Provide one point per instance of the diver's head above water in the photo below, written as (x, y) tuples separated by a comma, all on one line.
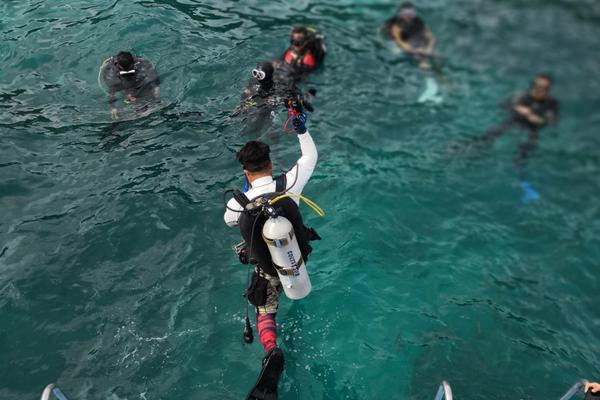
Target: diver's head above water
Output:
[(541, 86), (407, 11), (299, 38), (263, 72), (125, 63), (255, 160)]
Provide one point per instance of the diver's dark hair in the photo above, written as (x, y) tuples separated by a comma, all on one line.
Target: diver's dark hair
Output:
[(546, 76), (125, 60), (300, 29), (254, 156), (406, 4)]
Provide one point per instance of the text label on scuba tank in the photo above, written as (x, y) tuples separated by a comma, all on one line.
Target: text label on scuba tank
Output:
[(293, 263)]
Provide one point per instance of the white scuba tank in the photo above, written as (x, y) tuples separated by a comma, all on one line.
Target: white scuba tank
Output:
[(278, 233)]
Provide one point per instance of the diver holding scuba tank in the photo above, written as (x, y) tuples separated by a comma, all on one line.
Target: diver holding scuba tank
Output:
[(276, 240)]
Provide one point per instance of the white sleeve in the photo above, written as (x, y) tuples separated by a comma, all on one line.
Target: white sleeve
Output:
[(298, 176), (231, 215)]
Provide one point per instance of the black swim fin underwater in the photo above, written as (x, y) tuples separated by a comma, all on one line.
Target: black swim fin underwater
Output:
[(268, 379)]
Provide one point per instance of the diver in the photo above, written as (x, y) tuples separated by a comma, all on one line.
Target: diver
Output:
[(262, 84), (134, 76), (411, 34), (530, 112), (264, 97), (305, 54), (265, 285)]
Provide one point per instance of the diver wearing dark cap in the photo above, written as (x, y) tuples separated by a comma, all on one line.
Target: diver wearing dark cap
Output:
[(530, 111), (262, 84), (411, 34), (134, 76)]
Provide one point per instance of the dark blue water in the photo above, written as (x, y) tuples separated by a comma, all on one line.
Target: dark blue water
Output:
[(116, 276)]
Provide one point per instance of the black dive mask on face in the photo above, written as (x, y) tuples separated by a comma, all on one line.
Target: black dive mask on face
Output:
[(407, 12)]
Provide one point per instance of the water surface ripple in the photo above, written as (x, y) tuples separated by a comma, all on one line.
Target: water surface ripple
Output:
[(116, 275)]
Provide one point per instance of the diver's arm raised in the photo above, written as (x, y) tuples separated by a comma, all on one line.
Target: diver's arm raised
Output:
[(298, 176)]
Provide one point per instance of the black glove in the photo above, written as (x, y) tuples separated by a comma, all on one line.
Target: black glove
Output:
[(299, 122)]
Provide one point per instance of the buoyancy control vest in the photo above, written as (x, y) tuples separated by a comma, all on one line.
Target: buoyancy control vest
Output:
[(312, 55), (251, 226)]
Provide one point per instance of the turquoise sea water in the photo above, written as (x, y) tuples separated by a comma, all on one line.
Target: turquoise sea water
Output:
[(116, 276)]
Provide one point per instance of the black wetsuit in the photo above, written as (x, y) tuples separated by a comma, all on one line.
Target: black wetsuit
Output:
[(259, 94), (140, 84), (548, 109), (262, 99)]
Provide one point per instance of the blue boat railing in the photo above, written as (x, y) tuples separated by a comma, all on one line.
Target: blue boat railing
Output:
[(53, 392), (444, 392)]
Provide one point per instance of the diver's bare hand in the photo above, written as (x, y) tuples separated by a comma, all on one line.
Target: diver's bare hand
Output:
[(593, 386), (534, 119), (114, 114), (523, 110)]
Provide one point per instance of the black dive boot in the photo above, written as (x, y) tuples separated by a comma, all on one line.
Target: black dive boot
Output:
[(268, 379)]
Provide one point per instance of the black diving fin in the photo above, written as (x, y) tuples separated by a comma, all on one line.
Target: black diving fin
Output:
[(268, 379)]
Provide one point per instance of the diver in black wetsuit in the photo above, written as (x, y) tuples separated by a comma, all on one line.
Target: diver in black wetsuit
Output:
[(411, 34), (531, 112), (265, 96), (262, 85), (305, 53), (134, 76)]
